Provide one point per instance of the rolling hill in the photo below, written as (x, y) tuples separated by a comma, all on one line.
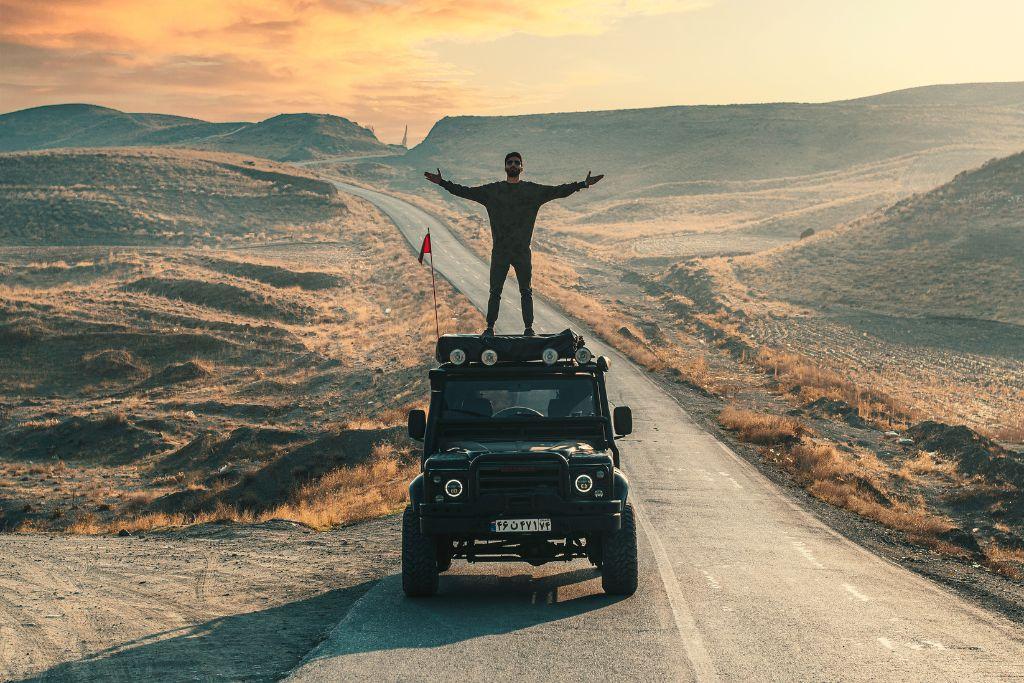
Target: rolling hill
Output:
[(185, 330), (956, 251), (159, 196), (287, 137), (975, 94)]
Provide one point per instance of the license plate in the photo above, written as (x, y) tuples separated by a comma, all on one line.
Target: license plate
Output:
[(520, 526)]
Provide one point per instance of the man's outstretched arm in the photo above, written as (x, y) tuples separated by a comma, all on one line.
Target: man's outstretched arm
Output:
[(559, 191), (477, 194)]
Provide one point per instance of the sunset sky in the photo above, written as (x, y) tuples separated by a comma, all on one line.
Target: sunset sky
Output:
[(391, 62)]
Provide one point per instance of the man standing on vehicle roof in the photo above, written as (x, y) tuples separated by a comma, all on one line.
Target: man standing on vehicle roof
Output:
[(512, 206)]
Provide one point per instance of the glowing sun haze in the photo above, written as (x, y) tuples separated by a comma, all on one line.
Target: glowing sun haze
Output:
[(388, 63)]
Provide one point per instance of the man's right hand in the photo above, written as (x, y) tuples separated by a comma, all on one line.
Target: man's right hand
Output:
[(433, 177)]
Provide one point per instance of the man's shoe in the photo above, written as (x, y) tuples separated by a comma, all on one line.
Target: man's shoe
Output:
[(489, 332), (528, 332)]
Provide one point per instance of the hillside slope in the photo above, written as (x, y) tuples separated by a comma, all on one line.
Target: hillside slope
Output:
[(193, 333), (955, 251), (159, 196), (977, 94), (287, 137)]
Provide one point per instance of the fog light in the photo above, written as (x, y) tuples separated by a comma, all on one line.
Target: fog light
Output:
[(599, 474), (599, 494), (583, 355), (453, 488), (550, 356), (439, 498), (457, 356), (489, 357), (584, 483)]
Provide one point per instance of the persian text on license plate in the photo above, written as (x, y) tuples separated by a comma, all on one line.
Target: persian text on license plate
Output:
[(520, 526)]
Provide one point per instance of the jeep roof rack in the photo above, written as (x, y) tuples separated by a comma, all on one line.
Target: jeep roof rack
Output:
[(466, 349)]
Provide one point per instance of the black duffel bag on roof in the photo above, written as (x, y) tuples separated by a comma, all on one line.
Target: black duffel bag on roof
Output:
[(509, 347)]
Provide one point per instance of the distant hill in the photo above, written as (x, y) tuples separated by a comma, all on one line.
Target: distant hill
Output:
[(976, 94), (159, 196), (687, 180), (287, 137), (956, 251), (297, 137), (654, 150)]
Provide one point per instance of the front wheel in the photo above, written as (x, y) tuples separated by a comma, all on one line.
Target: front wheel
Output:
[(419, 557), (618, 557)]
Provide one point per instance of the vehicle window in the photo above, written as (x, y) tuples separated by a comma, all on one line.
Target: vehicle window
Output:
[(519, 398)]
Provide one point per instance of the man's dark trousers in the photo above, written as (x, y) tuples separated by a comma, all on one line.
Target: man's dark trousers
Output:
[(521, 260)]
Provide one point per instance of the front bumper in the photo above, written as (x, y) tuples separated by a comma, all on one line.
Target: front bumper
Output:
[(473, 519)]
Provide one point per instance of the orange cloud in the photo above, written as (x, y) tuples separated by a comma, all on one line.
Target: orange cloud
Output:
[(369, 60)]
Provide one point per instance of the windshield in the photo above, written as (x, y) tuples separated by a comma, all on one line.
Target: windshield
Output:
[(558, 397)]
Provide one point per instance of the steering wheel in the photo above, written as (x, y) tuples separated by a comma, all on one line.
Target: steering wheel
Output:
[(518, 411)]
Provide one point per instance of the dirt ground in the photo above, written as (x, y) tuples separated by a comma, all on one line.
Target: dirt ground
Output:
[(212, 602)]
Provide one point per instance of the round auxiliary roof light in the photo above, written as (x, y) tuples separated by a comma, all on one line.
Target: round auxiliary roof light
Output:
[(584, 483), (550, 356), (457, 356), (489, 357), (453, 488), (583, 355)]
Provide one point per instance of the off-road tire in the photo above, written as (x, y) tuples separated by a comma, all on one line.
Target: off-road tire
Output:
[(419, 558), (619, 563)]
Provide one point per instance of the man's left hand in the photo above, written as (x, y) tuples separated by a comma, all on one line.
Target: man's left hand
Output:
[(593, 179)]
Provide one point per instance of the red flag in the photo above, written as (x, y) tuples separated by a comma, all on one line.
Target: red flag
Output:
[(425, 249)]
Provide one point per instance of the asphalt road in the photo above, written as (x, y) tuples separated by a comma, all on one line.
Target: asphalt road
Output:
[(738, 583)]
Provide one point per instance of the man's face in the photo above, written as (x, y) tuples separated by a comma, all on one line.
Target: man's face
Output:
[(513, 166)]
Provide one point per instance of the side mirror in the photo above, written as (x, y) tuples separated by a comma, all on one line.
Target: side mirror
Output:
[(622, 417), (418, 424)]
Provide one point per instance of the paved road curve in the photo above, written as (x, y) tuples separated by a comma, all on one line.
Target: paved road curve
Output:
[(738, 582)]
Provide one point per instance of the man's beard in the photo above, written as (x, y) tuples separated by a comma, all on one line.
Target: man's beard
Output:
[(514, 172)]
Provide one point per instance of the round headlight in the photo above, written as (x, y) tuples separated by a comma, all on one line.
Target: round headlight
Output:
[(453, 488), (550, 356), (457, 356), (489, 357), (583, 355), (584, 483)]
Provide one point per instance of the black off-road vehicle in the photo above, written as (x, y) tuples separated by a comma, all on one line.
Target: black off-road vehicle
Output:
[(519, 462)]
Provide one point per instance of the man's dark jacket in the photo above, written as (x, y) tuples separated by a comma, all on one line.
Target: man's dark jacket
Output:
[(512, 208)]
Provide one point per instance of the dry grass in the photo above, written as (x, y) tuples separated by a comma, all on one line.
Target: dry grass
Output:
[(1011, 433), (841, 480), (817, 382), (618, 329), (1007, 561), (926, 463), (376, 488), (761, 428), (349, 494)]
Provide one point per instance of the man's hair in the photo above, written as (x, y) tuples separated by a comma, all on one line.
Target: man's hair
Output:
[(513, 154)]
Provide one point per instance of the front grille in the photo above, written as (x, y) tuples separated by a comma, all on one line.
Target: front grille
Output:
[(519, 478)]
